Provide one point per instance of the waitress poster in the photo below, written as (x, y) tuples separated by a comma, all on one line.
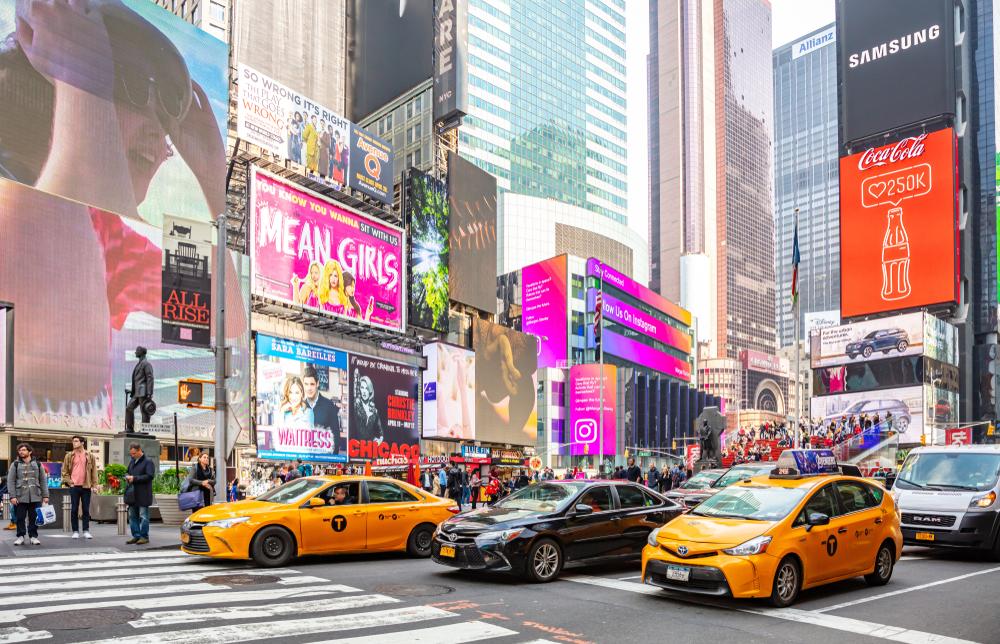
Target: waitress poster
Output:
[(310, 252)]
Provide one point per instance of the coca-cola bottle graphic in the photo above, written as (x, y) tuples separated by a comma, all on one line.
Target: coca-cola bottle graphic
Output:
[(895, 258)]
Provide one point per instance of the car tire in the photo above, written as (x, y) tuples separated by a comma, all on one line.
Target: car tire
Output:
[(993, 554), (884, 562), (420, 541), (902, 346), (900, 425), (272, 547), (787, 583), (544, 561), (867, 352)]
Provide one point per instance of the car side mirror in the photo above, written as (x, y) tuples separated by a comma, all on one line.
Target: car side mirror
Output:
[(582, 509), (316, 502), (816, 519)]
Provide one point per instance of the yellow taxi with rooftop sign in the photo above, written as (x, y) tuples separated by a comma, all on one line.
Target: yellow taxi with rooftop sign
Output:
[(804, 525)]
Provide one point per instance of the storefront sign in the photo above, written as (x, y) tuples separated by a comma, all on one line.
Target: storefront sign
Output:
[(958, 436), (508, 457), (469, 451)]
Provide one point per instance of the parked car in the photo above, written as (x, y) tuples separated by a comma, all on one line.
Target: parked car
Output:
[(734, 474), (884, 340)]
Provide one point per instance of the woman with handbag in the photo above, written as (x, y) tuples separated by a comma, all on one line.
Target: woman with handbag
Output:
[(201, 477)]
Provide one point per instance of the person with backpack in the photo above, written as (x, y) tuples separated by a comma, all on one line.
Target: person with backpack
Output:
[(29, 489)]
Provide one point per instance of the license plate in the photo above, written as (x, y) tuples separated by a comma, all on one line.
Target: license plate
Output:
[(447, 551), (925, 536), (185, 537), (678, 573)]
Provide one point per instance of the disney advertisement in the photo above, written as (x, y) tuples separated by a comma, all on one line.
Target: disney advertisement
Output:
[(311, 252), (383, 408)]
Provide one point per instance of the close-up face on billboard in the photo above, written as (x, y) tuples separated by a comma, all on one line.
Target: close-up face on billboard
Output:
[(506, 382), (117, 104), (906, 406), (588, 435), (898, 246), (545, 309), (311, 252)]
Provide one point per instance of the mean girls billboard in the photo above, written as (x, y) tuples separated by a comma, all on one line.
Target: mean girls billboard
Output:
[(311, 252)]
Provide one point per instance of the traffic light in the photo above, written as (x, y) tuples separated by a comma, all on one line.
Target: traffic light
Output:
[(991, 429), (190, 392), (923, 439), (673, 444)]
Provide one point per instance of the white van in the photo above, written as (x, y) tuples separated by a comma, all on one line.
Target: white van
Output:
[(948, 496)]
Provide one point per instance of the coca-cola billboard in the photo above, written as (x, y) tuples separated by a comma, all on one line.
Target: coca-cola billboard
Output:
[(898, 226), (897, 64)]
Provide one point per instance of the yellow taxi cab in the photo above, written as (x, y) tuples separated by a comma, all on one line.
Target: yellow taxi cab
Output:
[(319, 515), (804, 525)]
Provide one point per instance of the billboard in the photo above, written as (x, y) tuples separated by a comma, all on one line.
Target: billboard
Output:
[(290, 125), (427, 218), (763, 362), (472, 196), (898, 226), (311, 252), (93, 276), (896, 336), (545, 309), (642, 293), (302, 401), (619, 312), (883, 47), (6, 366), (449, 401), (186, 300), (451, 53), (506, 381), (383, 409), (121, 107), (390, 47), (587, 435), (645, 355), (820, 320), (940, 340), (906, 405)]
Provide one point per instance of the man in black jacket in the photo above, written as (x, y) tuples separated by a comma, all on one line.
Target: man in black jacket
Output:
[(140, 480), (142, 390), (326, 414), (653, 478), (634, 472)]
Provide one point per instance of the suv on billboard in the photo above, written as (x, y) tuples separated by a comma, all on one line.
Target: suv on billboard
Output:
[(884, 340), (901, 416)]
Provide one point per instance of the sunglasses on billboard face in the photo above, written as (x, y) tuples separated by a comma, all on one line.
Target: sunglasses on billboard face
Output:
[(170, 96)]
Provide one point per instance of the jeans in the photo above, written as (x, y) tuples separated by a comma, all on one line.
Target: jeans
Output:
[(26, 510), (78, 494), (465, 495), (138, 521)]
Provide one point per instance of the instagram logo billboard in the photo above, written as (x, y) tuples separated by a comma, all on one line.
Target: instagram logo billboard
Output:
[(586, 436)]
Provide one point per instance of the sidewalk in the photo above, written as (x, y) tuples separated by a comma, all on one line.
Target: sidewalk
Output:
[(106, 539)]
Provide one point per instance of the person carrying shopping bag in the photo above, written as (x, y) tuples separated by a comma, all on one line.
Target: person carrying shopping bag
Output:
[(29, 490), (201, 477)]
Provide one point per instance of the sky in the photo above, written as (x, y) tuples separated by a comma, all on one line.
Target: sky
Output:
[(790, 19)]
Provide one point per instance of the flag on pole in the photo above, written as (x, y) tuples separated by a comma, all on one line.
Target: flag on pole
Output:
[(795, 265)]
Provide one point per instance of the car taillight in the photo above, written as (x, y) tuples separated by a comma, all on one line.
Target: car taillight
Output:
[(454, 509)]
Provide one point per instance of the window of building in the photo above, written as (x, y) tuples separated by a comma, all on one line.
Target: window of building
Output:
[(217, 12)]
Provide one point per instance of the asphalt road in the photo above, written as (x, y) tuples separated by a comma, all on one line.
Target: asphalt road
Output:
[(163, 596)]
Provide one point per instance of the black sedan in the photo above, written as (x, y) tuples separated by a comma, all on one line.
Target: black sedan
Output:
[(539, 528)]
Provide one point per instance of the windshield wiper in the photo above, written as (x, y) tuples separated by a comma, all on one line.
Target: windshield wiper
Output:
[(909, 482), (956, 487), (723, 515)]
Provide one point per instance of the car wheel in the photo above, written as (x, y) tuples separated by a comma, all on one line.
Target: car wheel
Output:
[(545, 560), (787, 583), (884, 561), (867, 352), (419, 543), (902, 346), (993, 554), (272, 547), (900, 425)]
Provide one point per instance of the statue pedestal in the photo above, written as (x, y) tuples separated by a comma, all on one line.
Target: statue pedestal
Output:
[(706, 464), (118, 448)]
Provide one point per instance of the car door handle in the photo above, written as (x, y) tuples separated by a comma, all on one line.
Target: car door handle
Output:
[(842, 531), (878, 521)]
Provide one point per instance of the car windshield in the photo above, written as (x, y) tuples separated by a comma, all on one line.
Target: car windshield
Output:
[(700, 481), (949, 471), (754, 502), (293, 491), (738, 474), (543, 497)]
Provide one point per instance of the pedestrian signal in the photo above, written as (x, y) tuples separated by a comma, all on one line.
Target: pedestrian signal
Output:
[(673, 444), (190, 392), (991, 429)]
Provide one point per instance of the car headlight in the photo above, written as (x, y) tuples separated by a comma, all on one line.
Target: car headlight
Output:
[(186, 525), (651, 539), (226, 523), (983, 501), (500, 535), (755, 546)]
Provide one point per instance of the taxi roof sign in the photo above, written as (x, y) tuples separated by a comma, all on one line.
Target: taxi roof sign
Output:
[(805, 462)]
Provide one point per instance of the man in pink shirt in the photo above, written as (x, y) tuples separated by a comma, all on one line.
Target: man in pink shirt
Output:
[(79, 473)]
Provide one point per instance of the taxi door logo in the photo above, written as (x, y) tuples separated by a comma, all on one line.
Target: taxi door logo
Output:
[(898, 226)]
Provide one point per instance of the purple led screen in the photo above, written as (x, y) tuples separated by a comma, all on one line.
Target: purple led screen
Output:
[(635, 289), (627, 315), (544, 309), (586, 436), (645, 355)]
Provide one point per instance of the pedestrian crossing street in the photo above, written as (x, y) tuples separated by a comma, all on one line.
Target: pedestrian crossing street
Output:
[(175, 600)]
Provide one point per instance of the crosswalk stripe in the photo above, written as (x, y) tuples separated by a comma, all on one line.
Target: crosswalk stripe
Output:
[(25, 560), (21, 634), (130, 572), (85, 567), (284, 628), (145, 580), (154, 619), (204, 599), (452, 633)]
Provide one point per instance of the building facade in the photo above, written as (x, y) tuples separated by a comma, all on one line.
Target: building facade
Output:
[(806, 177), (710, 115)]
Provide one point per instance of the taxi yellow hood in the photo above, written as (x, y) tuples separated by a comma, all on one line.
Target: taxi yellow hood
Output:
[(696, 529), (237, 509)]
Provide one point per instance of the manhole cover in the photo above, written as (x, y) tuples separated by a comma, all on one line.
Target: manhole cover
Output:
[(71, 620), (240, 580), (413, 590)]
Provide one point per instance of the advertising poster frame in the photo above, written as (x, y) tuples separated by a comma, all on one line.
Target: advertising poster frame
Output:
[(831, 408), (447, 366), (585, 411), (545, 308), (506, 384)]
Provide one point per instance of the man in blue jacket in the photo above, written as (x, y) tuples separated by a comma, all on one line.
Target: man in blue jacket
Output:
[(140, 480)]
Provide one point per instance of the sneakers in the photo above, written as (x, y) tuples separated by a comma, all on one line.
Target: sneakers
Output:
[(11, 526), (87, 535), (19, 541), (131, 541), (75, 535), (141, 542), (35, 541)]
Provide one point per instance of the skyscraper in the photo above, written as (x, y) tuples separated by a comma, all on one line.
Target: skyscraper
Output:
[(710, 114), (805, 176)]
